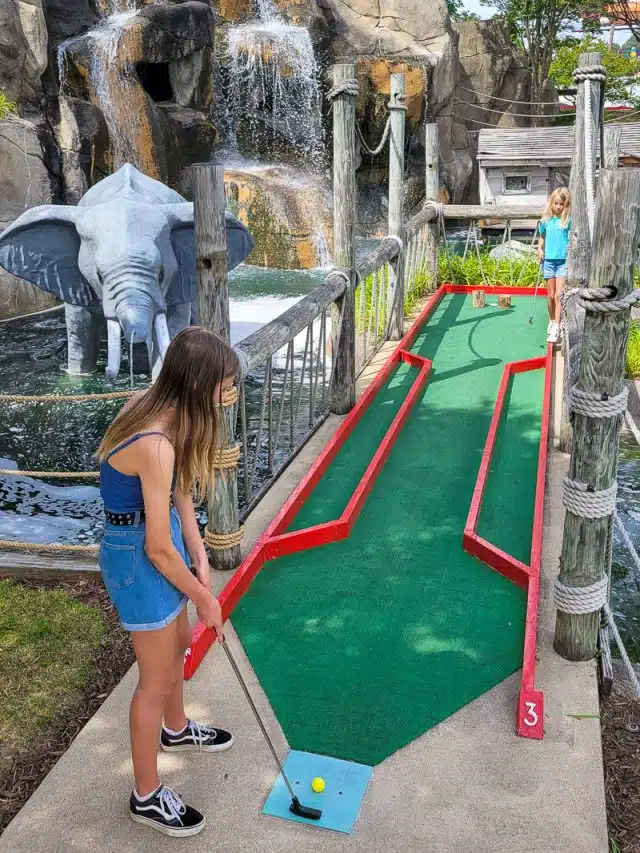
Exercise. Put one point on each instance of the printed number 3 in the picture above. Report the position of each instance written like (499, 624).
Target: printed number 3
(531, 718)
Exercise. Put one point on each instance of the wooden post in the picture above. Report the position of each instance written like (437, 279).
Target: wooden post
(595, 440)
(477, 299)
(579, 255)
(223, 533)
(343, 393)
(611, 155)
(432, 192)
(211, 248)
(396, 204)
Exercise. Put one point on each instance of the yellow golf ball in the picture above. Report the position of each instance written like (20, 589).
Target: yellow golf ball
(318, 784)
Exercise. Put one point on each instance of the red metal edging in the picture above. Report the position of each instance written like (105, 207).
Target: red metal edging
(530, 705)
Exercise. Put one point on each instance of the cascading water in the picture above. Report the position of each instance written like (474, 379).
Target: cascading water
(274, 80)
(106, 43)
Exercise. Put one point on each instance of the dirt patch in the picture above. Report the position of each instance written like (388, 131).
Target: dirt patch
(115, 657)
(621, 753)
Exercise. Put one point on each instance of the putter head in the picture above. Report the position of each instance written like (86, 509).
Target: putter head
(298, 809)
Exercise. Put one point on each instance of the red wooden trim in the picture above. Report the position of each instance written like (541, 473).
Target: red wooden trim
(369, 477)
(497, 559)
(530, 708)
(303, 540)
(498, 289)
(485, 462)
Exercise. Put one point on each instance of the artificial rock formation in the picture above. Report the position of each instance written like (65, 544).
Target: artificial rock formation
(287, 216)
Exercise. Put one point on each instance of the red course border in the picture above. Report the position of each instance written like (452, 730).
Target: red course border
(275, 542)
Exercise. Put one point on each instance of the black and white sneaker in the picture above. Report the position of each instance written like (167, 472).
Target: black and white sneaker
(164, 811)
(196, 737)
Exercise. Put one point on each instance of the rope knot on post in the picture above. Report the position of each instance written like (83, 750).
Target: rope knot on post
(585, 501)
(347, 87)
(590, 72)
(577, 600)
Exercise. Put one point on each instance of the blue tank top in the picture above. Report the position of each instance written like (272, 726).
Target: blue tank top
(123, 492)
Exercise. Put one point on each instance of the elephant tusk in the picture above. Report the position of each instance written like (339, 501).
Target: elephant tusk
(161, 330)
(114, 333)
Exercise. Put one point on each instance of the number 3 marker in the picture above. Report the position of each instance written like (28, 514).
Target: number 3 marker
(531, 718)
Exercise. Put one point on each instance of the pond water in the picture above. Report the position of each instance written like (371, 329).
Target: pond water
(625, 594)
(64, 436)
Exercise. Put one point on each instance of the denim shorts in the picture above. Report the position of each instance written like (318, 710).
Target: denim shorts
(143, 598)
(554, 269)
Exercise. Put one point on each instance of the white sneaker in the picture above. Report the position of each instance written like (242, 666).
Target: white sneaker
(549, 327)
(554, 333)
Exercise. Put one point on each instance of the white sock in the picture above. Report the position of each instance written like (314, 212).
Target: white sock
(171, 732)
(147, 797)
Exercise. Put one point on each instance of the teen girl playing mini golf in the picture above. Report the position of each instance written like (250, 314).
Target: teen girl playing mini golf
(552, 253)
(154, 457)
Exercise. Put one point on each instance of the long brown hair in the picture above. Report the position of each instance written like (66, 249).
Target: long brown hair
(565, 196)
(195, 364)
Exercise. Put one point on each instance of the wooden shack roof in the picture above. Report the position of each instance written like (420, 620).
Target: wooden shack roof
(551, 145)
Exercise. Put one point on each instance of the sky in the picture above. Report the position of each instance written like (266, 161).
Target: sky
(488, 12)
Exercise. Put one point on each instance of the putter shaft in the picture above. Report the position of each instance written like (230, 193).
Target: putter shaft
(256, 714)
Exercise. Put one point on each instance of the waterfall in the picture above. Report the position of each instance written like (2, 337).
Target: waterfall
(323, 252)
(119, 112)
(274, 86)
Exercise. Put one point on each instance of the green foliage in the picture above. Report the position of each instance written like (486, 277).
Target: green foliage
(474, 270)
(620, 68)
(457, 11)
(7, 107)
(538, 25)
(633, 350)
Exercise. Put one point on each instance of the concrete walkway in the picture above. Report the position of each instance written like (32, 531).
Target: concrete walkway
(467, 786)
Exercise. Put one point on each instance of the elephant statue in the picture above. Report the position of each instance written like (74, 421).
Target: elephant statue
(124, 253)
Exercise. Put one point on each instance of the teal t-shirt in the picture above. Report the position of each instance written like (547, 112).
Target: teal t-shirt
(556, 238)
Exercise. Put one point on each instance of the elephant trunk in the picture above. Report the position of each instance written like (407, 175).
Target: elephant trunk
(134, 308)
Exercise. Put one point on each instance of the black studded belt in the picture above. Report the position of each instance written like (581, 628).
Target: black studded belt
(125, 519)
(129, 519)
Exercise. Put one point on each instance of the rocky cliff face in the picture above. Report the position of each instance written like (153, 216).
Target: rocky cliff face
(148, 86)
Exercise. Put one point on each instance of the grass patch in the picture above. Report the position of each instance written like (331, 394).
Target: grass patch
(48, 646)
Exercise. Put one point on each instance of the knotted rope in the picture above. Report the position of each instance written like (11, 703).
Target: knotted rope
(227, 457)
(65, 398)
(352, 88)
(594, 405)
(585, 501)
(52, 475)
(579, 600)
(223, 541)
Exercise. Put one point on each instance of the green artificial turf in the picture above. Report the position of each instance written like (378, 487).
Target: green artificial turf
(363, 645)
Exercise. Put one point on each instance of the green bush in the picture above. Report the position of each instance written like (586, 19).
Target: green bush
(7, 107)
(633, 350)
(481, 269)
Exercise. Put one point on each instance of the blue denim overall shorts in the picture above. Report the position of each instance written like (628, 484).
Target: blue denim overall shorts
(143, 598)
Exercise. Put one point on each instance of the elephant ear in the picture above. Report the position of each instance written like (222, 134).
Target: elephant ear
(42, 247)
(184, 285)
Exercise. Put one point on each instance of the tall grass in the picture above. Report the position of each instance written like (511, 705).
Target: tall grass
(481, 269)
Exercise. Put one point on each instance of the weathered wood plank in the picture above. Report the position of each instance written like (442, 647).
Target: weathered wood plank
(274, 335)
(579, 255)
(213, 308)
(612, 137)
(343, 394)
(15, 564)
(211, 248)
(595, 440)
(472, 211)
(396, 205)
(432, 192)
(384, 253)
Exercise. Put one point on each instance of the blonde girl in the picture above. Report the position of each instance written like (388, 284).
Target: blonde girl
(553, 245)
(154, 459)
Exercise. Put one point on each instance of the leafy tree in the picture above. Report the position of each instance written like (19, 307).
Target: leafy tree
(457, 11)
(621, 69)
(626, 12)
(537, 27)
